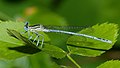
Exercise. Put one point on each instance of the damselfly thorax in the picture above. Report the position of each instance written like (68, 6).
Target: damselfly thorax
(37, 28)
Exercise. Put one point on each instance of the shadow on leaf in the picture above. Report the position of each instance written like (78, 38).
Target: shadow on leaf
(25, 49)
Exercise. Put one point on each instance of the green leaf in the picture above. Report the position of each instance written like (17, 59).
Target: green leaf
(42, 60)
(12, 48)
(90, 47)
(29, 47)
(18, 36)
(10, 25)
(54, 51)
(110, 64)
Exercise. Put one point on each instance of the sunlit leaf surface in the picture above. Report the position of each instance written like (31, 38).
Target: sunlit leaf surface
(91, 47)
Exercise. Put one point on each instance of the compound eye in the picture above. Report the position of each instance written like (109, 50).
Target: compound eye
(26, 26)
(26, 29)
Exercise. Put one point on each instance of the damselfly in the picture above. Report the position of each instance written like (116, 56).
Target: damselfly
(36, 28)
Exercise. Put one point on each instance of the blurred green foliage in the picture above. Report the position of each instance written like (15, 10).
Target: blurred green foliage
(59, 12)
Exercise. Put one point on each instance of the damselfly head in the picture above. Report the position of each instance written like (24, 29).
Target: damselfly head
(26, 26)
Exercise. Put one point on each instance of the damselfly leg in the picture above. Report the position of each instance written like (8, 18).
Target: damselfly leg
(31, 36)
(38, 39)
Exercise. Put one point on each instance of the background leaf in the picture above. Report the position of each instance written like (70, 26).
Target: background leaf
(54, 51)
(110, 64)
(37, 62)
(90, 47)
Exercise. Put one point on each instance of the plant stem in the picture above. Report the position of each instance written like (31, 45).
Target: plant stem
(69, 57)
